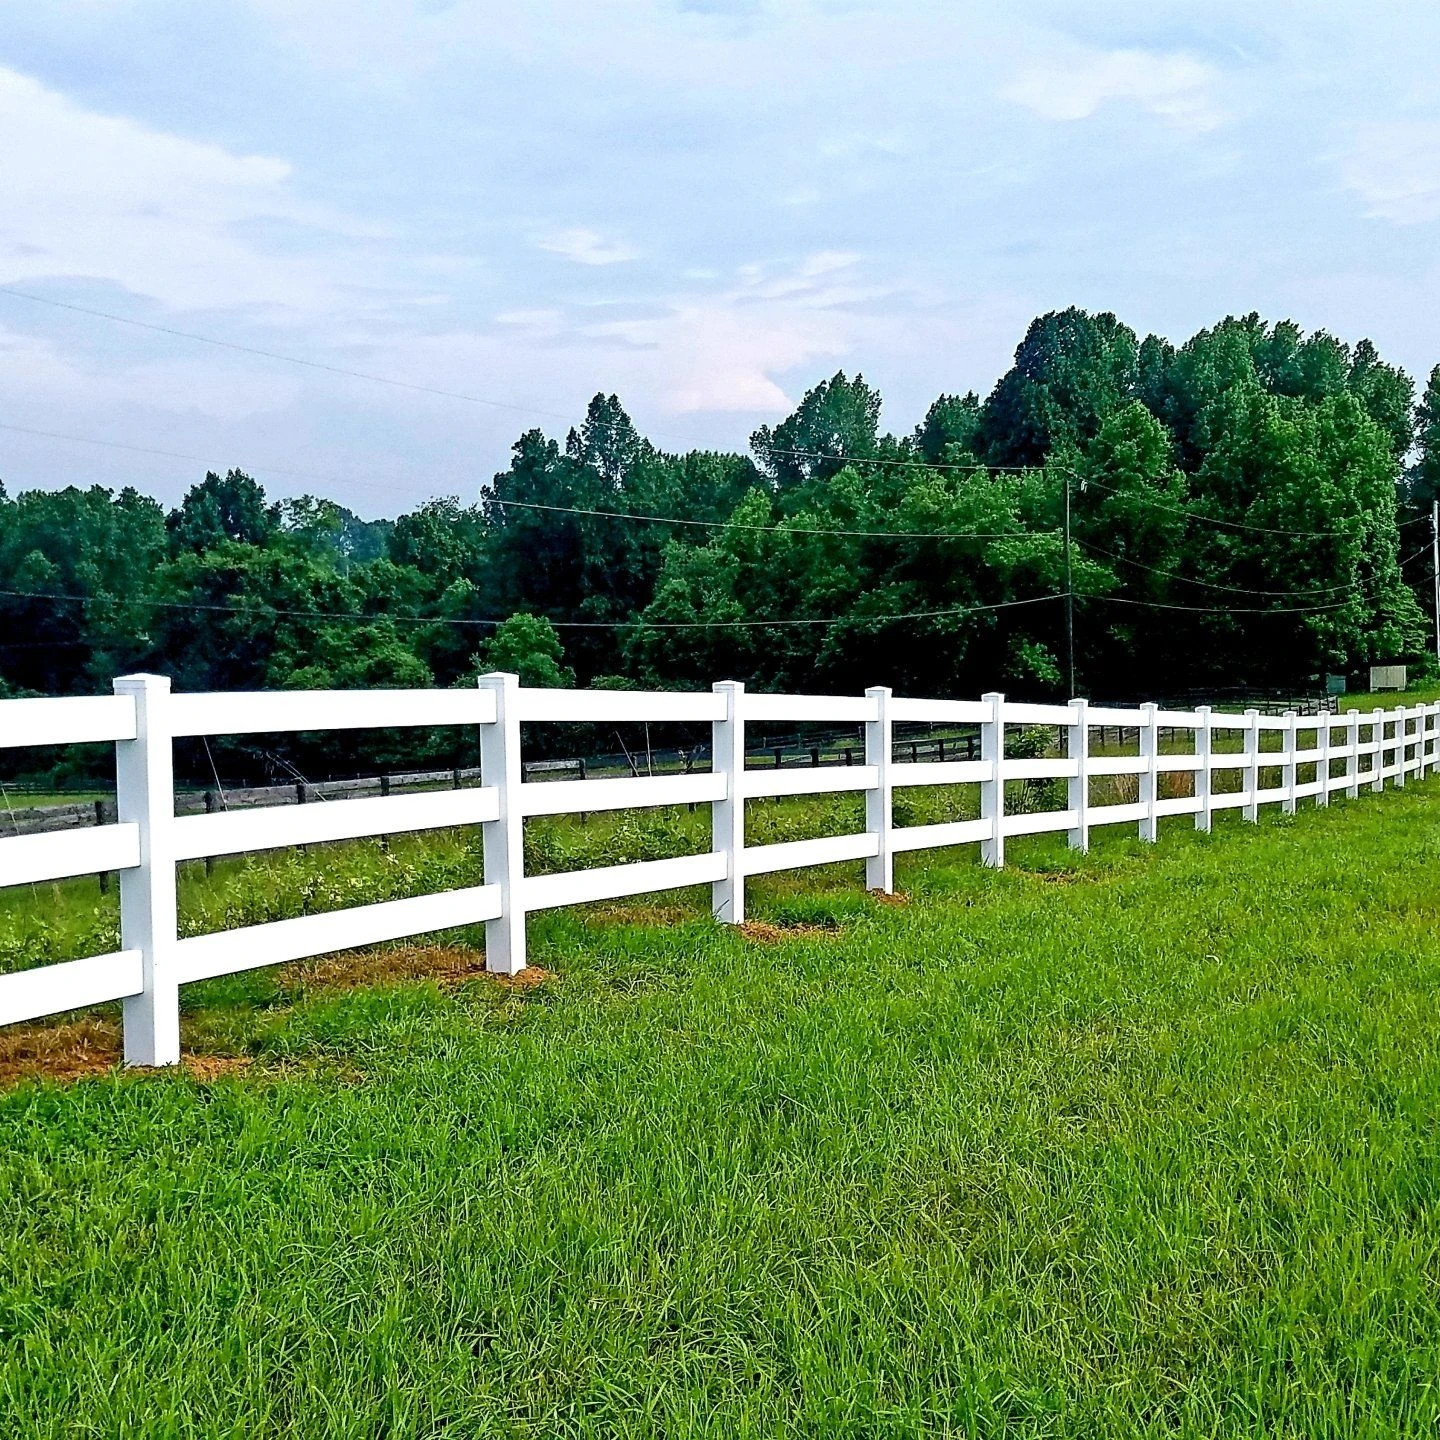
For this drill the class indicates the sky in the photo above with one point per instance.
(705, 206)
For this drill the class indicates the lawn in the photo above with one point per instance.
(1144, 1143)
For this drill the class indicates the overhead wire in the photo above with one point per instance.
(1235, 589)
(268, 612)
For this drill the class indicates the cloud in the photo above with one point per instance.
(1395, 170)
(1175, 87)
(587, 247)
(826, 262)
(106, 197)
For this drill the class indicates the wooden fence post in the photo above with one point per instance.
(504, 837)
(1077, 749)
(727, 815)
(1204, 749)
(879, 818)
(145, 797)
(1377, 720)
(992, 791)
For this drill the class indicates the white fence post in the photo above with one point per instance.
(1251, 771)
(727, 816)
(879, 817)
(1288, 768)
(1352, 761)
(1150, 776)
(145, 796)
(504, 837)
(1077, 748)
(1204, 740)
(1378, 783)
(1433, 726)
(1400, 728)
(992, 791)
(1322, 766)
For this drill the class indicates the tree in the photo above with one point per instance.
(230, 509)
(1388, 395)
(527, 646)
(1423, 481)
(949, 428)
(836, 421)
(79, 562)
(1071, 371)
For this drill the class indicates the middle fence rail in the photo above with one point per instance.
(1233, 761)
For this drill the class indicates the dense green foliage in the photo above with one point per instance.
(1242, 510)
(1135, 1144)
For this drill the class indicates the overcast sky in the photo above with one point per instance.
(703, 205)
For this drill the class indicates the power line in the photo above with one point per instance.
(637, 624)
(1229, 524)
(376, 485)
(1232, 589)
(417, 388)
(1219, 609)
(286, 359)
(1085, 480)
(774, 529)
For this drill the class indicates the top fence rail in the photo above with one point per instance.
(1183, 762)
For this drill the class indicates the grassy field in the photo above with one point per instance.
(1144, 1143)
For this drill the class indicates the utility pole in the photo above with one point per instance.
(1070, 598)
(1435, 564)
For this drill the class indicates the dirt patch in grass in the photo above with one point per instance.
(764, 932)
(208, 1068)
(528, 979)
(80, 1049)
(447, 965)
(893, 897)
(66, 1052)
(640, 915)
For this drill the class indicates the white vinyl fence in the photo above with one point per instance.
(143, 719)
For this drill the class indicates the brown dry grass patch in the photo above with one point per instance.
(447, 965)
(640, 915)
(764, 932)
(81, 1049)
(66, 1052)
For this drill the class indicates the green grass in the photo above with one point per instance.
(1419, 694)
(1139, 1144)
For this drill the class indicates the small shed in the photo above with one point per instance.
(1387, 677)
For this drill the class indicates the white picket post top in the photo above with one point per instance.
(147, 842)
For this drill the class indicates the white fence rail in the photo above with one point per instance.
(1337, 753)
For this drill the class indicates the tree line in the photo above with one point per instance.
(1248, 509)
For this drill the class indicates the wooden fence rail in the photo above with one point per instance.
(1234, 761)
